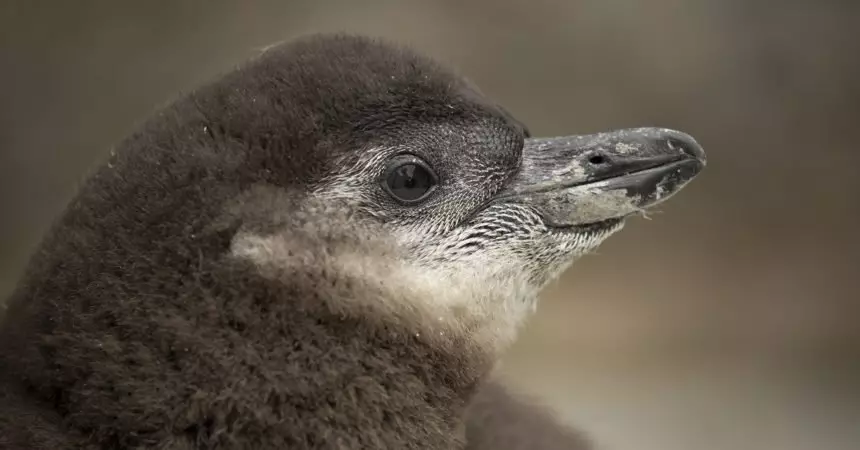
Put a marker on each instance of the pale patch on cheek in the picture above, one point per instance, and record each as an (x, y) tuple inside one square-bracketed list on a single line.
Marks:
[(460, 299)]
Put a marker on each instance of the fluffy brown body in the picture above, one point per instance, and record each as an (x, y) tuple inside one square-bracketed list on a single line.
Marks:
[(135, 327)]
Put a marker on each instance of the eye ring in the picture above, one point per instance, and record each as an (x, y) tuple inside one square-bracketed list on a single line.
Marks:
[(408, 179)]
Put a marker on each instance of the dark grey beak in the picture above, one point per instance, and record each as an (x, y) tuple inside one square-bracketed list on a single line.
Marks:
[(586, 180)]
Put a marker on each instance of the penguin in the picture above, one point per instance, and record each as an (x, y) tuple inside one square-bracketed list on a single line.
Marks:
[(329, 246)]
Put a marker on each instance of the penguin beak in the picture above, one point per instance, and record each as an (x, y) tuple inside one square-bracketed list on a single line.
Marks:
[(590, 179)]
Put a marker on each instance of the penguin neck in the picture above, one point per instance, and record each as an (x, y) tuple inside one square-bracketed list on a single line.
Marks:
[(232, 356), (280, 356)]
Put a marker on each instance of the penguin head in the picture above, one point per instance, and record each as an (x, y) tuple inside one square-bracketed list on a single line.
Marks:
[(430, 188)]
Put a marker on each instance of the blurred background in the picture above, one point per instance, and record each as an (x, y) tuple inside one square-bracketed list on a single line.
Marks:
[(731, 320)]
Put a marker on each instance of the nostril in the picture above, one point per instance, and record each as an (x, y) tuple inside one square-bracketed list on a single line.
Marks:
[(597, 159)]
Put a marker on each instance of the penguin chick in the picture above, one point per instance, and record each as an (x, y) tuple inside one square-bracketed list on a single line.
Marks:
[(328, 247)]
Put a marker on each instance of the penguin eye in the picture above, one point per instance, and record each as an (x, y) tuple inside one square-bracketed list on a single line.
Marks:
[(408, 179)]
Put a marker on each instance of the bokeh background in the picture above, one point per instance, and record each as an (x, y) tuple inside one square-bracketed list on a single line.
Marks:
[(729, 321)]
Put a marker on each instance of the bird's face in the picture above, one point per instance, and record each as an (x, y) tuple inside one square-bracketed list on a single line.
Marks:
[(478, 201), (481, 214)]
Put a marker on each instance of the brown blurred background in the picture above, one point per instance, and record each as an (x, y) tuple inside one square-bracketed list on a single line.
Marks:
[(729, 321)]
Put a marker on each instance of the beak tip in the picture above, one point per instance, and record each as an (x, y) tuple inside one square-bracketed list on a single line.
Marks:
[(686, 144)]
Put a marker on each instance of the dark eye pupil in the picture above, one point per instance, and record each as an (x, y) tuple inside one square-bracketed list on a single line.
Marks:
[(410, 182)]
